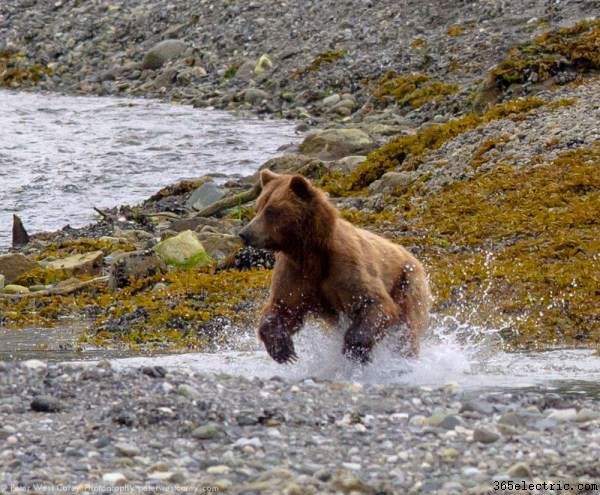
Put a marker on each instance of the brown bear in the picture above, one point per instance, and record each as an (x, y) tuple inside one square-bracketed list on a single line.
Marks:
[(330, 268)]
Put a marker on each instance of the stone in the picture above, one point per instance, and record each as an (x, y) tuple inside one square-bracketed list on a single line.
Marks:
[(254, 96), (246, 70), (332, 144), (392, 180), (45, 403), (19, 234), (347, 164), (511, 419), (245, 442), (162, 52), (332, 100), (563, 415), (183, 251), (115, 479), (263, 64), (127, 449), (34, 364), (219, 246), (519, 470), (79, 264), (134, 265), (15, 289), (207, 194), (585, 414), (482, 435), (186, 390), (2, 281), (15, 264), (206, 432), (443, 421), (292, 163), (347, 482)]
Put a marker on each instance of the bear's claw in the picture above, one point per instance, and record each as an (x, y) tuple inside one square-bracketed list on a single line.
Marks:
[(281, 349)]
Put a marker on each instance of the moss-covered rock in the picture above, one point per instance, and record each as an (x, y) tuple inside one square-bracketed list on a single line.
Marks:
[(414, 90), (183, 251)]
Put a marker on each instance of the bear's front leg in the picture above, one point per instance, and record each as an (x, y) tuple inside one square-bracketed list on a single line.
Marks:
[(368, 326), (275, 330)]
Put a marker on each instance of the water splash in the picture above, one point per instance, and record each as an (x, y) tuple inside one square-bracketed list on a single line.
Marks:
[(469, 356)]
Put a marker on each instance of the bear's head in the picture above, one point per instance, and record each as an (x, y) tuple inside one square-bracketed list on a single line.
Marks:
[(290, 213)]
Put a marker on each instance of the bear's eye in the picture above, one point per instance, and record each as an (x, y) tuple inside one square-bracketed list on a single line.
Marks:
[(271, 213)]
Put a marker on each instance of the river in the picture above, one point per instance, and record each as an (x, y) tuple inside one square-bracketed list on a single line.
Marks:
[(60, 156)]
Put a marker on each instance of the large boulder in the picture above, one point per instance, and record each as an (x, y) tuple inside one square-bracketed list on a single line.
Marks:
[(163, 52), (332, 144), (133, 266), (183, 251), (13, 265), (207, 194), (79, 264)]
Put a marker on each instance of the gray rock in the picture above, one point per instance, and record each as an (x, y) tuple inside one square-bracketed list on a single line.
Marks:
[(79, 264), (2, 281), (332, 144), (219, 246), (246, 70), (163, 52), (391, 181), (207, 194), (347, 164), (45, 403), (15, 289), (13, 265), (292, 163), (254, 96), (206, 432), (519, 470), (134, 266), (585, 414), (482, 435), (563, 415), (127, 449), (332, 100)]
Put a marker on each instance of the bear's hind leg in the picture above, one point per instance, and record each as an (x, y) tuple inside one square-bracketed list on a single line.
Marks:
[(367, 328)]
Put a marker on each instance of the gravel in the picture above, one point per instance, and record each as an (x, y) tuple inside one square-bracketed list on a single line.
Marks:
[(140, 429)]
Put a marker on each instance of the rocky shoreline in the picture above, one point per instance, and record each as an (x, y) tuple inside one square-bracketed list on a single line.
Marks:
[(403, 143), (89, 428)]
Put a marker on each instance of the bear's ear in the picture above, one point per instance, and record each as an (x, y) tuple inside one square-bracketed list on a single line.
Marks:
[(267, 176), (301, 187)]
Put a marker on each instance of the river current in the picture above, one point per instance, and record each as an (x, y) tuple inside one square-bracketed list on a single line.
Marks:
[(60, 156)]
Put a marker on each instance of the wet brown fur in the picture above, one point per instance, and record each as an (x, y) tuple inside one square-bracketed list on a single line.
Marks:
[(328, 267)]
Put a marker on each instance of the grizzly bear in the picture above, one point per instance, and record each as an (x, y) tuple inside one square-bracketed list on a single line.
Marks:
[(329, 268)]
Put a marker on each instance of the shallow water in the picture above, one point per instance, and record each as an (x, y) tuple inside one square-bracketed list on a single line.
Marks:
[(477, 363), (60, 156)]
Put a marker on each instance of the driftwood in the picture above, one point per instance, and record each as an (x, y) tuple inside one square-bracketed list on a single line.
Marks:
[(105, 215), (58, 291), (312, 169), (19, 234)]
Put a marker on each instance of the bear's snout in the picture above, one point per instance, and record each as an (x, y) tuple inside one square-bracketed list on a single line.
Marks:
[(244, 235)]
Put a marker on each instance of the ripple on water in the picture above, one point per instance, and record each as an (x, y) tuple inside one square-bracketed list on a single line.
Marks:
[(114, 151)]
